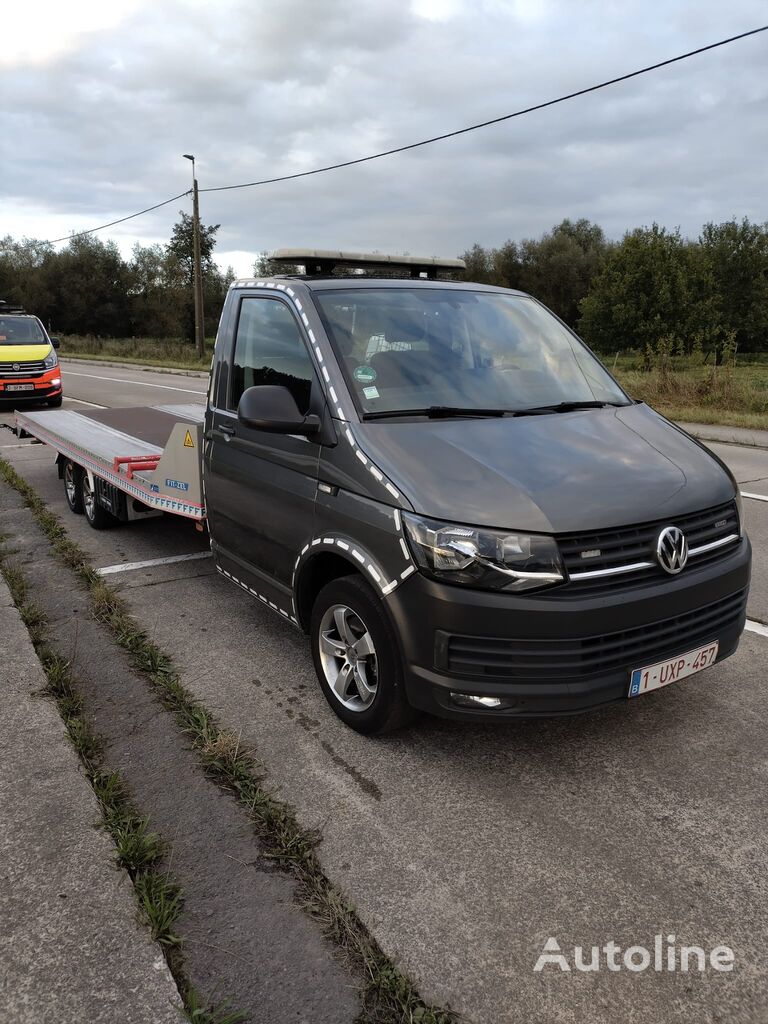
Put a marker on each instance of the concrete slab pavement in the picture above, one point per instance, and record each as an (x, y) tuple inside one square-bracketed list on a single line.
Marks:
[(728, 435), (748, 465), (71, 948), (115, 364)]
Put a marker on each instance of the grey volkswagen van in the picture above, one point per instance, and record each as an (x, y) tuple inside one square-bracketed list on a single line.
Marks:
[(450, 494)]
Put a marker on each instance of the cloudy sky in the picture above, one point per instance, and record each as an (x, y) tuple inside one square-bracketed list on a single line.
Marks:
[(99, 100)]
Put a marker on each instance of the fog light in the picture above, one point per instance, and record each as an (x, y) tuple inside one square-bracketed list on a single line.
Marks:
[(55, 382), (469, 700)]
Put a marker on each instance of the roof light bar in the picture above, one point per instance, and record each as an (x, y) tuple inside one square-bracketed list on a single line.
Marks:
[(322, 262)]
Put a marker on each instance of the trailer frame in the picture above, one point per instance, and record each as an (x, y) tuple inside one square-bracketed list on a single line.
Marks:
[(143, 471)]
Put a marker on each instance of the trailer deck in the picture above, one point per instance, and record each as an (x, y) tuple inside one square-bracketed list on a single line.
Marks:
[(151, 453)]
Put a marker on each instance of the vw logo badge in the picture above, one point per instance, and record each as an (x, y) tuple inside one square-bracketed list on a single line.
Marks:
[(16, 366), (672, 550)]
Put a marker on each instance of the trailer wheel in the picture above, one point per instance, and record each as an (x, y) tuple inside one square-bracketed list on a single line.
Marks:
[(357, 658), (97, 516), (73, 487)]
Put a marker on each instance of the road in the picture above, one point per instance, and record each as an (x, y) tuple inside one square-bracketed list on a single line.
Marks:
[(465, 848), (92, 384)]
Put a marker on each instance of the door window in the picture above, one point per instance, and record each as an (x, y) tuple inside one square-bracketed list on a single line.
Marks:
[(269, 349)]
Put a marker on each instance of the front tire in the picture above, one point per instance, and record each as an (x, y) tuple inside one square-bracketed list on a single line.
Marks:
[(357, 658), (55, 403), (96, 516), (73, 487)]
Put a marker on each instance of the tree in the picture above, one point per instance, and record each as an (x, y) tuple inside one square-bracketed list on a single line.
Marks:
[(158, 297), (182, 245), (642, 293), (181, 262), (21, 274), (506, 265), (559, 268), (88, 285), (479, 267), (735, 261)]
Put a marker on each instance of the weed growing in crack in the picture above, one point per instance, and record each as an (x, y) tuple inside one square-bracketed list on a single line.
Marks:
[(198, 1013), (161, 902)]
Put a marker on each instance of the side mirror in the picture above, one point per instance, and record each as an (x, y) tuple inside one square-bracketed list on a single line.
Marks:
[(55, 342), (273, 408)]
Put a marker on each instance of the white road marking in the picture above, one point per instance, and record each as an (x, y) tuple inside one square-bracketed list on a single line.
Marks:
[(140, 383), (82, 401), (23, 445), (757, 497), (108, 570), (756, 627)]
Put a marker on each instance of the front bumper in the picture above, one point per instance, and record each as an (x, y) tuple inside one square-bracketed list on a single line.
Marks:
[(43, 387), (576, 644)]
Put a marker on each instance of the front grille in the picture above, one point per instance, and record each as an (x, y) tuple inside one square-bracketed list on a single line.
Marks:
[(593, 656), (619, 548), (31, 368)]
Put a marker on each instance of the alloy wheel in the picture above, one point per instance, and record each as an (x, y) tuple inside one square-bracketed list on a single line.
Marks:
[(70, 484), (89, 497), (348, 657)]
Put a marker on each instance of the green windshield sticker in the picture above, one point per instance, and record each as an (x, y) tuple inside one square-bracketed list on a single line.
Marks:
[(365, 374)]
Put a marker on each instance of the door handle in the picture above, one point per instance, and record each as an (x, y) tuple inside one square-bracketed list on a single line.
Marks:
[(225, 429)]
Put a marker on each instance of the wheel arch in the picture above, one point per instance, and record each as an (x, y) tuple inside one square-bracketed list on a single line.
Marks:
[(313, 573), (329, 557)]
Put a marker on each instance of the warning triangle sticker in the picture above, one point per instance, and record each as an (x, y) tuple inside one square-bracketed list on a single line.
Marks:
[(188, 442)]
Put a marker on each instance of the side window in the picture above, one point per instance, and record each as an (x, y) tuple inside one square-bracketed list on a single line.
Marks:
[(269, 349)]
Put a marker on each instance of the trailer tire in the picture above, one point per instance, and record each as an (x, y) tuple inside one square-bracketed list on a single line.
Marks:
[(73, 486), (96, 516)]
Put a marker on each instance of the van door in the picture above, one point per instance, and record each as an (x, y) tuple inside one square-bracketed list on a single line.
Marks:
[(260, 487)]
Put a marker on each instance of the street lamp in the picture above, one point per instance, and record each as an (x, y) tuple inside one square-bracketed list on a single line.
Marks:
[(197, 269)]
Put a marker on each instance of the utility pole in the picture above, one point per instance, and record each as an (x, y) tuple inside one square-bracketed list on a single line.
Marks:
[(197, 268)]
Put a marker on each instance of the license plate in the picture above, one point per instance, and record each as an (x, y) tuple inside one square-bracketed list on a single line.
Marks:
[(643, 680), (19, 387)]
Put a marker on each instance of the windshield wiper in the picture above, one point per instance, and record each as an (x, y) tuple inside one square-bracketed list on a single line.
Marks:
[(542, 410), (435, 412)]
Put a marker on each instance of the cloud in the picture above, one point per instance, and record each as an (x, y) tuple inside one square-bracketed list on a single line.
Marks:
[(36, 33), (258, 90)]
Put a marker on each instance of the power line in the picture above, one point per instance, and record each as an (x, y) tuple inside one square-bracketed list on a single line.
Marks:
[(495, 120), (427, 142), (122, 220)]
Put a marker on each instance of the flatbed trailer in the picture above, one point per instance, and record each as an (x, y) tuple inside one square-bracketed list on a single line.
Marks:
[(130, 463)]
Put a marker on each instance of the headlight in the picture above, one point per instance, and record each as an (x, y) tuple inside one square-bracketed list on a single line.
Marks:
[(486, 559), (740, 510), (51, 360)]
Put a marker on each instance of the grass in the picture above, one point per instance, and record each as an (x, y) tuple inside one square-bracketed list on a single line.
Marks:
[(707, 415), (389, 996), (733, 395), (168, 352)]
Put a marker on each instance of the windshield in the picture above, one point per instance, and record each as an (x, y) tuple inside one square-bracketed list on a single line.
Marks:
[(21, 330), (419, 348)]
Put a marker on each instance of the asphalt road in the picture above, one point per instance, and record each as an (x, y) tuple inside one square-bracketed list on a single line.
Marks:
[(94, 384), (466, 847)]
